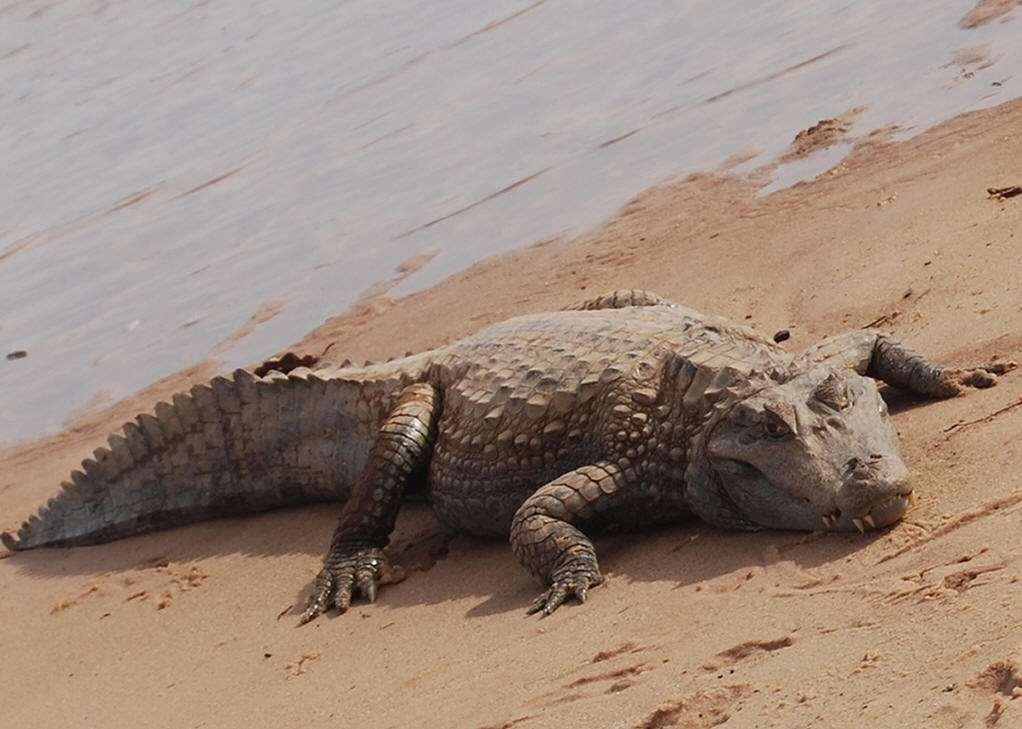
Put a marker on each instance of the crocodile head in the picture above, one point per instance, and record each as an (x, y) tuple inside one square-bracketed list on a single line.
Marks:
[(815, 452)]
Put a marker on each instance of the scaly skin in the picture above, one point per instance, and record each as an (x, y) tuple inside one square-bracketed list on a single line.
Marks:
[(624, 410)]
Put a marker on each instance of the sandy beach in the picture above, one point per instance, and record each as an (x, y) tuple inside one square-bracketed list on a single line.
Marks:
[(918, 625)]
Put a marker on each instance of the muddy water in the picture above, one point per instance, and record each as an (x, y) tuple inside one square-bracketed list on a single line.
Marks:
[(214, 179)]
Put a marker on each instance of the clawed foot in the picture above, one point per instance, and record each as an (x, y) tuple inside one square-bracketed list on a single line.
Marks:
[(574, 579), (955, 380), (343, 577)]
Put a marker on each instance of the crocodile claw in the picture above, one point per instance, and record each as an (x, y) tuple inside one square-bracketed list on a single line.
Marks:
[(575, 583), (980, 377), (341, 578)]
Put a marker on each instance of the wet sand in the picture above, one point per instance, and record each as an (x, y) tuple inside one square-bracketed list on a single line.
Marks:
[(915, 626)]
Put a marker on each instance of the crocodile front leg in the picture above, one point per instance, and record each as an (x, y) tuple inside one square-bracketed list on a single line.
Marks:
[(879, 356), (353, 564), (897, 365), (545, 532)]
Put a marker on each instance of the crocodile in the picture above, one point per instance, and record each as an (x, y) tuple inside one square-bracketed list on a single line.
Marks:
[(623, 411)]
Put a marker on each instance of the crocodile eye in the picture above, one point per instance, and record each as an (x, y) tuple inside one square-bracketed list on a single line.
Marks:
[(833, 392)]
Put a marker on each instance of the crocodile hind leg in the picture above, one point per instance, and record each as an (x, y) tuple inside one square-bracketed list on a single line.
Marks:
[(546, 537), (353, 564), (878, 356)]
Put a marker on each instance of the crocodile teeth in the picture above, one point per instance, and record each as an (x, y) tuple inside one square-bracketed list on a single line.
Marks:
[(859, 525), (826, 522), (911, 498), (869, 520)]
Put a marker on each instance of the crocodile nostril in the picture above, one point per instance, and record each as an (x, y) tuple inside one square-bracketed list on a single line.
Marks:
[(875, 456)]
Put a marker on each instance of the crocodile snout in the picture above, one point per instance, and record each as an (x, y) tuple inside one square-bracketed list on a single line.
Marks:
[(875, 492)]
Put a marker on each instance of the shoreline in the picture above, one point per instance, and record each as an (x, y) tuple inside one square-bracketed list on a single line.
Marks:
[(173, 203), (769, 629)]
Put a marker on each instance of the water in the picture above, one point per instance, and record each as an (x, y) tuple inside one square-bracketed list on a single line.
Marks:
[(170, 170)]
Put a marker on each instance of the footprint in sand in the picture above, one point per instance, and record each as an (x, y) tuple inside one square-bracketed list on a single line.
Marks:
[(1001, 679), (297, 668), (615, 652), (623, 678), (172, 579), (620, 679), (744, 650), (75, 601), (700, 710)]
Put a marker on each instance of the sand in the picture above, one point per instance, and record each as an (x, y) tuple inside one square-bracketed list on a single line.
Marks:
[(918, 625), (987, 11)]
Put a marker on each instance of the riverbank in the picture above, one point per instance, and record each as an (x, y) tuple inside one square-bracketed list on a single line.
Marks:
[(914, 626)]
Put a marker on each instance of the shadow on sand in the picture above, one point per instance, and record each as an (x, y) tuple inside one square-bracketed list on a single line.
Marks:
[(684, 555)]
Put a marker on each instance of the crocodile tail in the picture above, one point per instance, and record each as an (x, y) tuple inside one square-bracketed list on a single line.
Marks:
[(233, 446)]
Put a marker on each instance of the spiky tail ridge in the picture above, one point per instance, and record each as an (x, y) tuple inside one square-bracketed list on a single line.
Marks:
[(235, 445)]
